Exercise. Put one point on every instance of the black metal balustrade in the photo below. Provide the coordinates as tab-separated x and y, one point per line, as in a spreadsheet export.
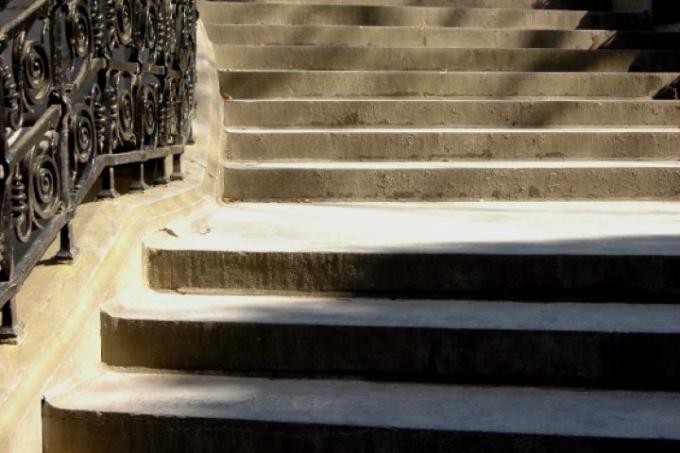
85	86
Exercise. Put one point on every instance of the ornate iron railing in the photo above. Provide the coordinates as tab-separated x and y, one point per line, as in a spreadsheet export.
85	86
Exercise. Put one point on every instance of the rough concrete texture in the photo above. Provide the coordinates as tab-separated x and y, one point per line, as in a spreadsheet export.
421	102
460	180
388	113
432	144
345	58
592	5
460	37
179	413
610	251
279	13
475	341
267	84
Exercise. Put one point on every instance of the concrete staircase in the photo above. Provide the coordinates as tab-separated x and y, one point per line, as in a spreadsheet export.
476	245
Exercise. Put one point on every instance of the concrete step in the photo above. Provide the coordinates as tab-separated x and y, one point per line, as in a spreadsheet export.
461	180
446	144
572	344
343	35
315	14
591	5
140	412
444	59
452	112
451	144
271	84
616	251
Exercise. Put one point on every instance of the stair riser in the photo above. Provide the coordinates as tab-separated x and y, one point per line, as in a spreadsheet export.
67	431
592	5
254	84
428	59
523	357
473	113
433	146
438	37
280	184
541	277
234	13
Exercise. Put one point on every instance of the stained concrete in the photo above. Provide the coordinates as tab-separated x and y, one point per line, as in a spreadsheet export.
460	37
444	59
389	113
455	180
281	13
177	413
257	84
444	144
593	5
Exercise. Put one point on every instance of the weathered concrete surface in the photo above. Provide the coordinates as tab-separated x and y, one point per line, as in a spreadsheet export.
281	13
611	251
459	180
268	84
452	112
592	5
444	59
59	304
443	144
624	345
394	36
179	413
549	293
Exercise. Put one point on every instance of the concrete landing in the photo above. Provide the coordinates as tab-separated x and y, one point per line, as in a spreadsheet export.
565	228
179	413
625	251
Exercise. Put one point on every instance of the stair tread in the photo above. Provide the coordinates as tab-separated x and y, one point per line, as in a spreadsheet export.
522	4
287	13
454	130
401	313
338	4
592	413
489	228
465	99
443	51
553	74
449	49
240	5
458	164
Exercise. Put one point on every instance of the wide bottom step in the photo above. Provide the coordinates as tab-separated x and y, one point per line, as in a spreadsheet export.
132	413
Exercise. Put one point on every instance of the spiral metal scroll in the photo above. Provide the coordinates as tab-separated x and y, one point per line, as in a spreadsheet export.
36	187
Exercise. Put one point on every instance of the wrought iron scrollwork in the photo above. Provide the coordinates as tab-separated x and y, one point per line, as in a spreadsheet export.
85	86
